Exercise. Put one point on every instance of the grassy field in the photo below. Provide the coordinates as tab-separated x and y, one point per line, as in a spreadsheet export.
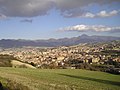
60	79
19	64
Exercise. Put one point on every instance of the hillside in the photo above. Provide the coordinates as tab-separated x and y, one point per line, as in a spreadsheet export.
67	79
10	61
5	60
9	43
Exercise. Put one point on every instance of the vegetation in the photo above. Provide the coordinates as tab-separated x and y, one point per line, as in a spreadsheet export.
6	84
113	53
59	79
10	61
18	64
5	60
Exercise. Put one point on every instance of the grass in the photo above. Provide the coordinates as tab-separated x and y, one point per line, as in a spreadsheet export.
61	79
19	64
11	85
10	61
14	63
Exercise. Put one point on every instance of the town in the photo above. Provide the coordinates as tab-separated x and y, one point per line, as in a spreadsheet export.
69	57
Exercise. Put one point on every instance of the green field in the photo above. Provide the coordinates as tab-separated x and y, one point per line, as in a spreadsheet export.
59	79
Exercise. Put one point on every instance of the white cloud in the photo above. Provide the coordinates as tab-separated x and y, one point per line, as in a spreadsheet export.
107	14
100	14
32	8
89	15
84	28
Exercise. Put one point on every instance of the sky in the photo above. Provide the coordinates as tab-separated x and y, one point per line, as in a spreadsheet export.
45	19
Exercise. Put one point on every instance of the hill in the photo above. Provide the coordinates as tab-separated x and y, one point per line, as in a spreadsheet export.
19	64
57	79
5	60
10	61
9	43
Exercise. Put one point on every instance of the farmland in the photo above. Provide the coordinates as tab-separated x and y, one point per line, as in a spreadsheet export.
58	79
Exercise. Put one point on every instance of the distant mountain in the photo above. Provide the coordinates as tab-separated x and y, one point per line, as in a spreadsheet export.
9	43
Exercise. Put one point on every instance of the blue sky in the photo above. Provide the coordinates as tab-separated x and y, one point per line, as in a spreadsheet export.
43	19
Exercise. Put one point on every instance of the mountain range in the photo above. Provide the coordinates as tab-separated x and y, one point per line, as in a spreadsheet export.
9	43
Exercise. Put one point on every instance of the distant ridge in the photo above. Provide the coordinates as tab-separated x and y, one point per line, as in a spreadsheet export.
9	43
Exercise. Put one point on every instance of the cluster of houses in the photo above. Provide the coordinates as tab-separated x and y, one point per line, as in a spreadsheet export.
65	56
